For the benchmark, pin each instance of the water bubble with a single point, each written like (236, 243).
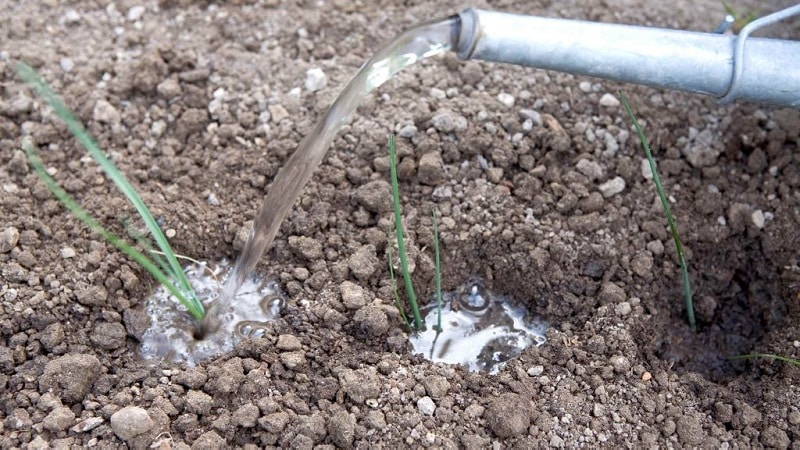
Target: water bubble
(481, 331)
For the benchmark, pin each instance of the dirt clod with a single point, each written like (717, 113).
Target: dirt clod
(70, 376)
(508, 415)
(130, 422)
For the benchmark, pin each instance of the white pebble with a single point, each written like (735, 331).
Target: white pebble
(609, 101)
(647, 174)
(67, 252)
(506, 99)
(758, 218)
(535, 371)
(66, 64)
(408, 131)
(591, 169)
(426, 406)
(71, 17)
(135, 13)
(623, 309)
(213, 200)
(438, 94)
(315, 79)
(612, 187)
(585, 86)
(170, 233)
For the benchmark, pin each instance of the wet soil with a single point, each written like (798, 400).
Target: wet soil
(200, 103)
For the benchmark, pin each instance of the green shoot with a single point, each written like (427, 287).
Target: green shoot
(401, 246)
(687, 291)
(169, 278)
(73, 207)
(785, 359)
(438, 274)
(394, 288)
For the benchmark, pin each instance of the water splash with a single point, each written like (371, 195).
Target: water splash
(173, 333)
(415, 44)
(480, 330)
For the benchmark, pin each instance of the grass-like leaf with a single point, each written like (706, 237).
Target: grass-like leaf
(76, 210)
(438, 274)
(401, 245)
(785, 359)
(183, 291)
(397, 303)
(687, 290)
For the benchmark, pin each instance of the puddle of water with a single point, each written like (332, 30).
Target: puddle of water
(172, 331)
(480, 330)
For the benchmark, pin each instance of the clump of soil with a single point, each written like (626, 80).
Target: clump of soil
(541, 192)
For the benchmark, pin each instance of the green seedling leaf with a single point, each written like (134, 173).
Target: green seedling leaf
(438, 274)
(76, 210)
(401, 246)
(687, 291)
(74, 126)
(394, 288)
(785, 359)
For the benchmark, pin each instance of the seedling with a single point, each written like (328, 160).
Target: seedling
(401, 250)
(785, 359)
(687, 290)
(166, 270)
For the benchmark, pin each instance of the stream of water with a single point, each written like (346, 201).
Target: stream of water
(415, 44)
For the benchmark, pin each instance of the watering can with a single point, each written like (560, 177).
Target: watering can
(724, 66)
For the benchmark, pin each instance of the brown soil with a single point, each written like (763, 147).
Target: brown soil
(188, 99)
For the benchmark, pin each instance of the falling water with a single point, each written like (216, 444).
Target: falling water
(415, 44)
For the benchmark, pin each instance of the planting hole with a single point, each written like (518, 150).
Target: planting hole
(174, 335)
(480, 330)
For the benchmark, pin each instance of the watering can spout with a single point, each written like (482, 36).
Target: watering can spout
(762, 71)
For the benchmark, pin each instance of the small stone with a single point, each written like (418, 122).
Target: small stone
(438, 94)
(353, 296)
(66, 64)
(408, 132)
(612, 187)
(170, 233)
(371, 322)
(293, 360)
(689, 430)
(508, 415)
(169, 89)
(341, 429)
(315, 79)
(446, 121)
(130, 422)
(701, 155)
(623, 309)
(70, 376)
(108, 336)
(308, 248)
(494, 174)
(506, 99)
(8, 239)
(612, 294)
(198, 402)
(585, 86)
(758, 218)
(436, 386)
(647, 174)
(426, 406)
(278, 112)
(71, 17)
(647, 376)
(135, 13)
(59, 419)
(87, 424)
(360, 384)
(431, 169)
(246, 416)
(363, 263)
(106, 113)
(620, 363)
(591, 169)
(609, 101)
(209, 440)
(375, 196)
(288, 342)
(535, 371)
